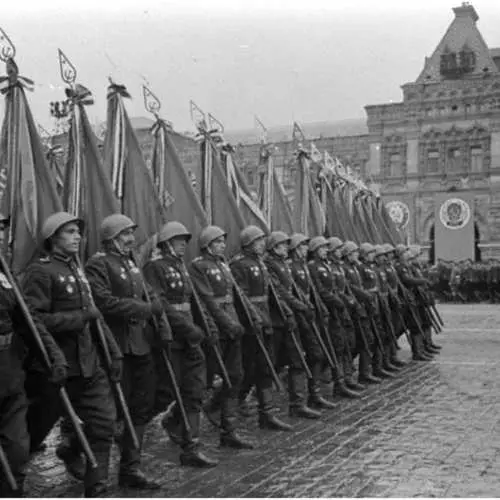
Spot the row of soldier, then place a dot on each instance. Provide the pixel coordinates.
(466, 281)
(127, 344)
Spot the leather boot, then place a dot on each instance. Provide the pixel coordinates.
(381, 373)
(397, 362)
(297, 405)
(315, 399)
(341, 389)
(96, 479)
(172, 426)
(418, 353)
(352, 384)
(191, 455)
(228, 437)
(266, 419)
(390, 354)
(130, 475)
(68, 450)
(369, 379)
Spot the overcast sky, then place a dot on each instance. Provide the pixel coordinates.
(304, 60)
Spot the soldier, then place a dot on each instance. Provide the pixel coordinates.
(168, 276)
(371, 284)
(252, 276)
(327, 280)
(15, 340)
(298, 249)
(413, 316)
(58, 291)
(364, 336)
(123, 299)
(215, 284)
(284, 327)
(389, 321)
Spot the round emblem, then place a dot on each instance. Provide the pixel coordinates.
(399, 213)
(454, 213)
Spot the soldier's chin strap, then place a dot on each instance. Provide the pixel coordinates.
(170, 249)
(119, 249)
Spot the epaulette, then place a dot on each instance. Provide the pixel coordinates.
(237, 257)
(99, 254)
(155, 258)
(44, 260)
(197, 259)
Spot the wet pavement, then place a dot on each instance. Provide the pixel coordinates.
(432, 432)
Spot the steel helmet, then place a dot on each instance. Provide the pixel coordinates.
(297, 239)
(250, 234)
(173, 229)
(334, 243)
(415, 250)
(379, 250)
(56, 221)
(388, 248)
(366, 248)
(400, 249)
(275, 238)
(209, 234)
(317, 242)
(349, 247)
(114, 224)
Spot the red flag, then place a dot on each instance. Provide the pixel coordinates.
(87, 188)
(131, 180)
(30, 195)
(173, 183)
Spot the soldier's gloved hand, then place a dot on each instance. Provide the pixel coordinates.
(156, 307)
(92, 313)
(115, 370)
(195, 335)
(267, 330)
(212, 338)
(290, 323)
(58, 374)
(195, 353)
(236, 331)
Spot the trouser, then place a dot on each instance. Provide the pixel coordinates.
(14, 437)
(138, 379)
(365, 347)
(92, 401)
(189, 365)
(225, 397)
(256, 369)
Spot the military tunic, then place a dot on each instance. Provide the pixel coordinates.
(57, 290)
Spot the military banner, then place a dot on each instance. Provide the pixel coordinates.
(454, 226)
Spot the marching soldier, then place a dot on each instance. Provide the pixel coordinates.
(122, 297)
(365, 344)
(252, 276)
(58, 291)
(413, 316)
(15, 340)
(168, 276)
(388, 324)
(215, 284)
(371, 285)
(285, 327)
(328, 282)
(298, 249)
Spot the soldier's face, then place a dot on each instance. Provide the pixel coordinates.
(302, 250)
(259, 246)
(337, 253)
(281, 250)
(353, 256)
(179, 246)
(67, 239)
(218, 246)
(322, 251)
(126, 240)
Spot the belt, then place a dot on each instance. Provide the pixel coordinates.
(5, 341)
(184, 307)
(258, 299)
(227, 299)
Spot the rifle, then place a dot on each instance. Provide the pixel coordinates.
(215, 346)
(355, 318)
(274, 297)
(401, 319)
(68, 407)
(168, 366)
(317, 334)
(116, 386)
(384, 309)
(250, 324)
(4, 463)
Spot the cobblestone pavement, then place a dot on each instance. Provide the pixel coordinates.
(434, 431)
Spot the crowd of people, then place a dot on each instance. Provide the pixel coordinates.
(118, 342)
(465, 281)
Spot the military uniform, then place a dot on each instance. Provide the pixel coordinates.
(120, 294)
(16, 343)
(215, 284)
(287, 353)
(58, 291)
(168, 276)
